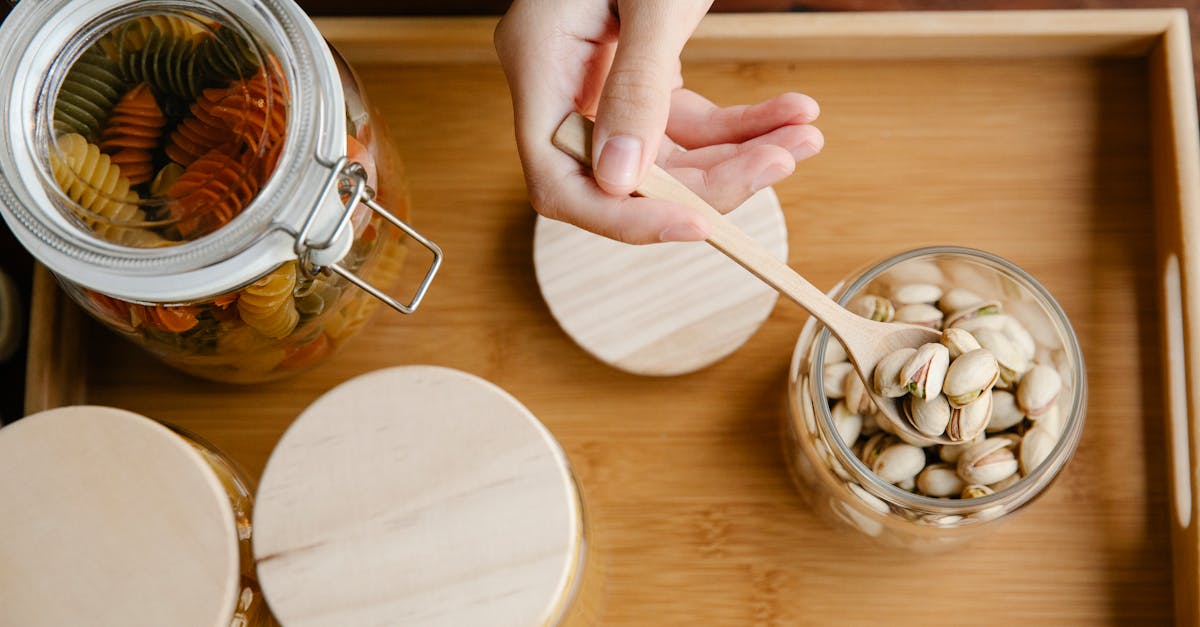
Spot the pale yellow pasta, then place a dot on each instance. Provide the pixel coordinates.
(105, 199)
(268, 305)
(132, 35)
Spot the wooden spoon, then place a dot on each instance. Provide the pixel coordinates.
(866, 341)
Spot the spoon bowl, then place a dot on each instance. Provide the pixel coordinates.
(866, 341)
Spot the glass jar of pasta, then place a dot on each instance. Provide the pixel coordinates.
(206, 177)
(131, 521)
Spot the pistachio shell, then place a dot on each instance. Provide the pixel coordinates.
(916, 294)
(873, 307)
(979, 310)
(1019, 336)
(871, 501)
(950, 453)
(1006, 483)
(1036, 447)
(899, 462)
(915, 271)
(1009, 357)
(847, 423)
(969, 376)
(988, 462)
(886, 378)
(1005, 413)
(940, 480)
(929, 416)
(874, 446)
(835, 353)
(958, 299)
(834, 379)
(925, 370)
(857, 398)
(959, 341)
(921, 315)
(1050, 420)
(975, 491)
(1038, 390)
(909, 484)
(970, 420)
(869, 426)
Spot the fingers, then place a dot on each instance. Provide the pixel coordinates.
(695, 121)
(634, 220)
(631, 115)
(730, 182)
(801, 142)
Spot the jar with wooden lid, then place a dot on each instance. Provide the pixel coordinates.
(205, 177)
(115, 519)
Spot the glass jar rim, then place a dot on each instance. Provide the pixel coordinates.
(1013, 495)
(260, 238)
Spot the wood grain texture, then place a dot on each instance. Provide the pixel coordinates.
(55, 364)
(1043, 161)
(111, 519)
(657, 310)
(417, 496)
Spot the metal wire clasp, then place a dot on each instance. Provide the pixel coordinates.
(350, 182)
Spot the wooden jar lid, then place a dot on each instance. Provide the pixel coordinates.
(417, 496)
(111, 519)
(664, 309)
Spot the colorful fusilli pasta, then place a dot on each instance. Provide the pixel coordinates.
(247, 115)
(88, 94)
(168, 63)
(211, 192)
(107, 203)
(268, 306)
(228, 56)
(132, 35)
(132, 132)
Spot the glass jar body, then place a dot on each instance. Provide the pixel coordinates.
(846, 492)
(288, 319)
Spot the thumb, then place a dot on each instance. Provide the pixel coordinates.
(631, 115)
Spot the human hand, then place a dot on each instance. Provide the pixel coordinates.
(618, 61)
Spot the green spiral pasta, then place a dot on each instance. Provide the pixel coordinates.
(169, 63)
(88, 95)
(228, 56)
(105, 200)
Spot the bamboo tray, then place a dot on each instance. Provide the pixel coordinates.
(1063, 141)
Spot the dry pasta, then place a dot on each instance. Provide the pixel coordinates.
(89, 92)
(89, 178)
(268, 305)
(210, 193)
(168, 63)
(132, 35)
(133, 132)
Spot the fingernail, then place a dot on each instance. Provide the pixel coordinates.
(683, 233)
(770, 176)
(620, 161)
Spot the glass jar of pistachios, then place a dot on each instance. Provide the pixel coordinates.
(205, 177)
(1006, 383)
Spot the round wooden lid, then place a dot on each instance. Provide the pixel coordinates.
(664, 309)
(416, 496)
(111, 519)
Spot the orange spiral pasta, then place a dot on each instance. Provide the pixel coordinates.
(108, 204)
(132, 132)
(247, 115)
(268, 305)
(213, 190)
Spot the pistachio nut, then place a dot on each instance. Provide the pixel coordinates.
(950, 453)
(970, 420)
(870, 426)
(916, 294)
(835, 353)
(834, 379)
(874, 446)
(871, 501)
(887, 373)
(928, 415)
(975, 491)
(1019, 335)
(1038, 390)
(873, 307)
(909, 484)
(958, 341)
(1036, 447)
(1050, 420)
(1005, 413)
(857, 398)
(915, 271)
(1006, 483)
(940, 480)
(898, 463)
(976, 311)
(920, 315)
(957, 299)
(847, 423)
(925, 370)
(988, 462)
(969, 376)
(1009, 357)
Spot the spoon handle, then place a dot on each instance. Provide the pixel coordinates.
(574, 137)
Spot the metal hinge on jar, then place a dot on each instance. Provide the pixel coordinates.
(350, 182)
